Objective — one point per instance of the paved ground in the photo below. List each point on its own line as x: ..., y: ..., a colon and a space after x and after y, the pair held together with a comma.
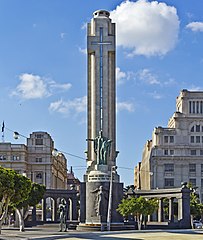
x: 51, y: 234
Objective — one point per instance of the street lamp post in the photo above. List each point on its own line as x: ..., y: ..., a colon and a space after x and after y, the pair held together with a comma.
x: 113, y: 168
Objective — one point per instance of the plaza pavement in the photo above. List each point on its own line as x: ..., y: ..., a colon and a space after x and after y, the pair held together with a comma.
x: 52, y: 233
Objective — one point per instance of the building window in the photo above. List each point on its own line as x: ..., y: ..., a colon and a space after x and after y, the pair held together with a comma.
x: 165, y: 139
x: 197, y: 107
x: 38, y: 159
x: 39, y: 175
x: 201, y: 182
x: 15, y: 158
x: 197, y: 139
x: 171, y: 152
x: 192, y: 129
x: 165, y: 151
x: 190, y: 107
x: 38, y: 141
x: 201, y: 107
x: 169, y: 182
x: 171, y: 139
x: 192, y: 168
x: 201, y: 152
x: 193, y: 107
x: 192, y: 181
x: 39, y: 135
x: 169, y: 167
x: 2, y: 157
x: 197, y: 128
x: 193, y: 152
x: 192, y: 139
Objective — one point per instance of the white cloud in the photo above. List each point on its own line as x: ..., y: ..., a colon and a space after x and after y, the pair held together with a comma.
x: 170, y: 81
x: 120, y: 76
x: 146, y: 28
x: 31, y: 86
x: 156, y: 95
x: 195, y: 26
x: 64, y: 87
x: 148, y: 77
x: 62, y: 35
x: 79, y: 105
x: 195, y: 88
x: 34, y: 86
x: 83, y: 50
x: 74, y: 106
x: 84, y: 26
x: 126, y: 106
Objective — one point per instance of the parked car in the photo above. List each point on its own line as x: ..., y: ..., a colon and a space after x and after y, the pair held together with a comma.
x: 197, y: 224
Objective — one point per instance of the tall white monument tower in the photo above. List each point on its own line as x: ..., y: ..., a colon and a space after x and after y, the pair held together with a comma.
x: 101, y: 86
x: 101, y: 191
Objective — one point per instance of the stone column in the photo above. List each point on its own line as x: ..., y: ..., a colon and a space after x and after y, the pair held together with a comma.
x: 74, y: 209
x: 44, y: 209
x: 149, y: 218
x: 54, y: 216
x: 82, y: 202
x: 184, y: 208
x: 171, y: 210
x: 69, y: 209
x: 161, y: 211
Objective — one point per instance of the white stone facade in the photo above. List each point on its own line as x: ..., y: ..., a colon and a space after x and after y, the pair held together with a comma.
x: 35, y: 160
x: 175, y: 153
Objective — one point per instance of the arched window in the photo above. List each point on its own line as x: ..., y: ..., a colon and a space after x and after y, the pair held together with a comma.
x: 39, y: 175
x: 192, y: 129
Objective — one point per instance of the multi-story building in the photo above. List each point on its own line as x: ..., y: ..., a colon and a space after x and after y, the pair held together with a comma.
x: 36, y: 160
x: 175, y: 153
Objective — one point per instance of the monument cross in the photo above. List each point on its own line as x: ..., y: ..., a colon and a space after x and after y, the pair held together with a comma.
x: 101, y: 43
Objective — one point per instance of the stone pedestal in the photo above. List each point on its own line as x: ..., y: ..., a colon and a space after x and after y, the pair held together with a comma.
x: 93, y: 212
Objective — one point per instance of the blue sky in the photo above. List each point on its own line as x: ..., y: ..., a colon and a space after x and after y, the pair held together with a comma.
x: 43, y: 70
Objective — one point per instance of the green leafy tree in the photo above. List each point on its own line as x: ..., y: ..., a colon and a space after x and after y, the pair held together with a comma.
x: 6, y: 192
x: 196, y: 208
x: 138, y: 207
x: 35, y: 194
x: 124, y: 208
x: 14, y: 188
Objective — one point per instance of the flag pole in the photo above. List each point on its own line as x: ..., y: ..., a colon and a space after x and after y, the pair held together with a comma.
x: 2, y: 130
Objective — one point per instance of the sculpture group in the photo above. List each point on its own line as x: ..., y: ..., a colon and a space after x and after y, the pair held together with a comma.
x: 102, y: 147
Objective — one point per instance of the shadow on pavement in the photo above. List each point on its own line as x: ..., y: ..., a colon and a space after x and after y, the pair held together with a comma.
x: 84, y: 236
x: 95, y: 236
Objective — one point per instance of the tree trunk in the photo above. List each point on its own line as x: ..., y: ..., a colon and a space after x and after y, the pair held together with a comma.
x: 191, y: 221
x: 21, y: 220
x: 3, y: 218
x: 26, y: 213
x: 4, y: 213
x: 145, y: 222
x: 139, y: 221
